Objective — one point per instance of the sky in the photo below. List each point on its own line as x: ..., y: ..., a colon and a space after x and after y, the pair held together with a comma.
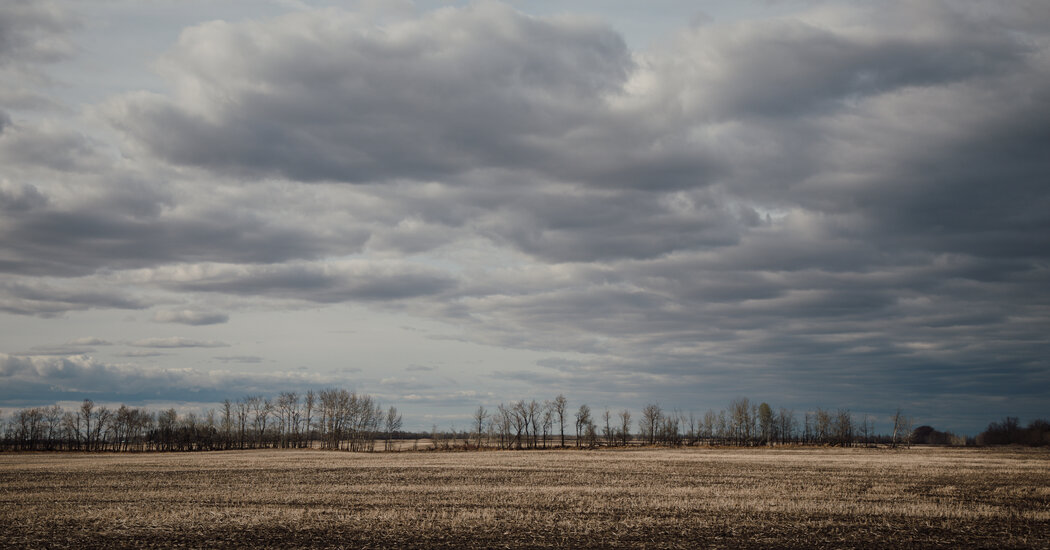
x: 453, y: 204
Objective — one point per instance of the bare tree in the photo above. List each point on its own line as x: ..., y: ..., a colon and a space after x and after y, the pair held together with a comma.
x: 607, y: 431
x: 311, y: 403
x: 766, y: 421
x: 901, y: 428
x: 53, y: 421
x: 786, y: 425
x: 625, y: 426
x: 560, y: 404
x: 740, y: 418
x: 532, y: 410
x: 548, y: 421
x: 521, y: 422
x: 393, y: 424
x: 844, y: 428
x: 86, y: 413
x: 650, y: 422
x: 823, y: 426
x: 583, y: 418
x: 479, y: 422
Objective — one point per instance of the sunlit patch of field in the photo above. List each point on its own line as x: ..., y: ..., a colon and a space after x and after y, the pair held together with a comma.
x: 620, y: 498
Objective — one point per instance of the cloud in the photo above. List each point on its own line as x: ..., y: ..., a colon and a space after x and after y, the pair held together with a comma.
x: 449, y: 92
x: 49, y: 146
x: 121, y: 222
x: 139, y: 353
x: 190, y: 317
x: 28, y: 296
x: 29, y: 380
x: 90, y: 341
x: 32, y: 34
x: 33, y: 31
x: 176, y: 342
x: 327, y: 282
x: 239, y: 358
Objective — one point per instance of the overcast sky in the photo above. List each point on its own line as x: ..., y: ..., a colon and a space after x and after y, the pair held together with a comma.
x: 445, y: 204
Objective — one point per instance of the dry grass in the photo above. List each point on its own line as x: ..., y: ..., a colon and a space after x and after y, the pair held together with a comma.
x: 639, y: 498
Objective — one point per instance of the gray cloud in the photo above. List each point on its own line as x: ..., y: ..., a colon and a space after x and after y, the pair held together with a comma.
x: 27, y: 296
x: 453, y: 91
x: 176, y: 342
x: 327, y: 282
x: 190, y: 317
x: 90, y: 341
x: 126, y: 223
x: 28, y: 380
x: 239, y: 358
x: 49, y: 147
x: 32, y: 30
x: 32, y: 34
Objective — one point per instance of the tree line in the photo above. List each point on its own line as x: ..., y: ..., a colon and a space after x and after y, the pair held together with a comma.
x: 532, y: 424
x: 328, y: 418
x: 1010, y: 432
x: 338, y: 419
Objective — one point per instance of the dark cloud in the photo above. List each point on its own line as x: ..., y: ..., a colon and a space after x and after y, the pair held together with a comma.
x: 190, y: 317
x: 328, y: 282
x: 26, y: 296
x: 49, y: 147
x: 133, y: 224
x: 20, y: 198
x: 329, y: 95
x: 28, y: 380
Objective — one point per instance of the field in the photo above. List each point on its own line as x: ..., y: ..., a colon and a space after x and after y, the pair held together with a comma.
x: 647, y: 498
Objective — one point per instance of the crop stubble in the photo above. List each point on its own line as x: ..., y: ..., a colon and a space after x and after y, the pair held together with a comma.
x: 654, y: 498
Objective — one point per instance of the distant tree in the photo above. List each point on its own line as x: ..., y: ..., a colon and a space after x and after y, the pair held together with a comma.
x: 560, y: 404
x: 650, y: 422
x: 693, y: 435
x: 548, y: 421
x: 227, y: 424
x: 532, y: 411
x: 625, y: 426
x: 53, y: 422
x: 740, y: 420
x: 86, y: 409
x: 843, y: 428
x: 583, y: 418
x: 503, y: 425
x: 309, y: 405
x: 766, y: 423
x: 709, y: 423
x: 393, y: 424
x: 786, y: 425
x: 479, y: 422
x: 901, y: 428
x: 822, y: 426
x: 607, y: 431
x: 521, y: 422
x: 590, y: 434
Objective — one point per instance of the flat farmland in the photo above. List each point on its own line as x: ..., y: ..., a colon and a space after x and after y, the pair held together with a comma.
x: 642, y: 498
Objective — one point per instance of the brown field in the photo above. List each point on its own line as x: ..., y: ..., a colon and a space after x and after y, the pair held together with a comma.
x: 656, y: 498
